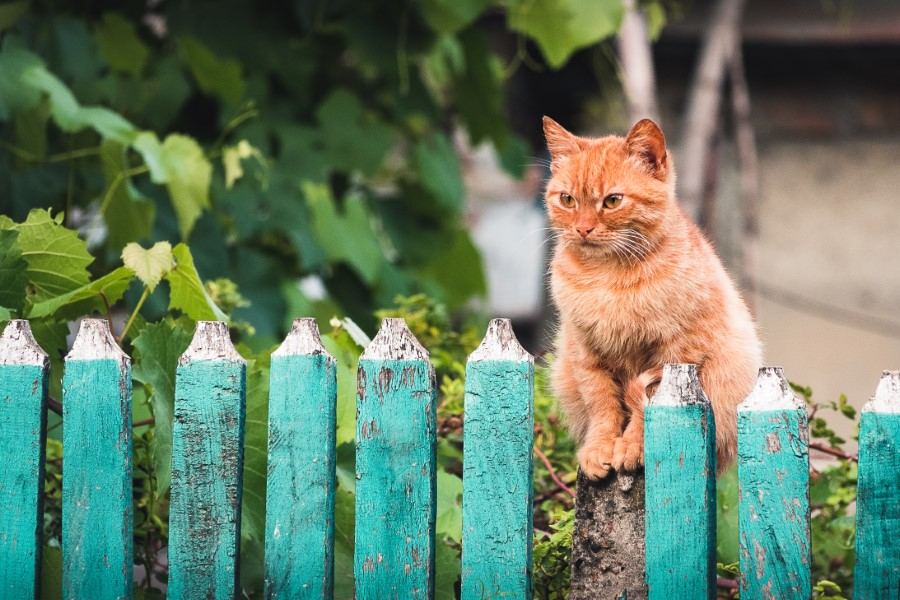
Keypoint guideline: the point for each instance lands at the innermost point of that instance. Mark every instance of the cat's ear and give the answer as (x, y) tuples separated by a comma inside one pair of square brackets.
[(646, 142), (560, 142)]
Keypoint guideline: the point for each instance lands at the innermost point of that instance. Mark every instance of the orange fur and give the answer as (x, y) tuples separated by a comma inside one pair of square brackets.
[(637, 286)]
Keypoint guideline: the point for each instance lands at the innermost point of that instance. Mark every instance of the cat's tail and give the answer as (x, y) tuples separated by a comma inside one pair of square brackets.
[(640, 388)]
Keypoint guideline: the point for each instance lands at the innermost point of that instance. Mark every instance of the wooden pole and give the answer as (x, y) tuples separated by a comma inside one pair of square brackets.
[(498, 436), (23, 431), (680, 463), (97, 517), (207, 467), (300, 484), (877, 572), (396, 494), (773, 470), (608, 542)]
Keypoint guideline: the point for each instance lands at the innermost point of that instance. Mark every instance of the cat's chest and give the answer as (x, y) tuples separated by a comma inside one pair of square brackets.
[(611, 317)]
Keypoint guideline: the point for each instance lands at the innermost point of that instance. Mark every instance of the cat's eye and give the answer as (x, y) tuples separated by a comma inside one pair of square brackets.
[(612, 201), (566, 200)]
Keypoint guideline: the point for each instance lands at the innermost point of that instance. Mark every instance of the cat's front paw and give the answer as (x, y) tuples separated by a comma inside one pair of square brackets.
[(596, 459), (628, 453)]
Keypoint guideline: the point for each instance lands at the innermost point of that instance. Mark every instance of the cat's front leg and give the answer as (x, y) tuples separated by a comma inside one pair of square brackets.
[(600, 394), (628, 453)]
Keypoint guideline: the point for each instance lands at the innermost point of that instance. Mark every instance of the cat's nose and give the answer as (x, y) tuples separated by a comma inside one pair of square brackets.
[(584, 231)]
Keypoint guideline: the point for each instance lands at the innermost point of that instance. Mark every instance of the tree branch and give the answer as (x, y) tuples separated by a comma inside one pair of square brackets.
[(559, 482), (636, 60)]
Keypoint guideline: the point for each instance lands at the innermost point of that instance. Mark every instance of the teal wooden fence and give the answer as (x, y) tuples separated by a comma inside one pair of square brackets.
[(395, 473)]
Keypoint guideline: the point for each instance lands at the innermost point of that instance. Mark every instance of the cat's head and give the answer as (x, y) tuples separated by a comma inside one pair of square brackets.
[(610, 196)]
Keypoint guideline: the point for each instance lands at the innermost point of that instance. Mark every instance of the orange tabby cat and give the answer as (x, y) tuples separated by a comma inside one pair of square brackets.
[(637, 286)]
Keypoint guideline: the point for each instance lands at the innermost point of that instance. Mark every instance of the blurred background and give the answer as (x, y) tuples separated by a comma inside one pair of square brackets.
[(327, 157)]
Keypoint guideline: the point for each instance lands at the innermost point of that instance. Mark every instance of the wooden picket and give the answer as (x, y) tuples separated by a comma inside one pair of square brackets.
[(773, 470), (394, 554), (877, 573), (23, 398), (299, 549), (680, 459), (207, 467), (497, 493), (97, 521), (395, 467)]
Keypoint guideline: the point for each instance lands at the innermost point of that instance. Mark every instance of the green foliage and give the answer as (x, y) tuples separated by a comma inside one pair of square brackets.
[(316, 142)]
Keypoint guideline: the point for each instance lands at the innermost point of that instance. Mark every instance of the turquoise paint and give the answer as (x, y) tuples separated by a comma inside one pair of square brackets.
[(773, 470), (301, 471), (680, 469), (23, 430), (395, 471), (97, 518), (877, 573), (498, 436), (207, 465)]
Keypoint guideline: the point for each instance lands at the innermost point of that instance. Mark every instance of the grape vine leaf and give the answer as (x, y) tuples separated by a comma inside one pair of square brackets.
[(119, 44), (98, 294), (353, 140), (187, 293), (448, 522), (13, 278), (179, 163), (156, 352), (438, 170), (149, 264), (346, 237), (128, 215), (345, 353), (215, 75), (560, 27), (449, 16), (256, 448), (57, 258)]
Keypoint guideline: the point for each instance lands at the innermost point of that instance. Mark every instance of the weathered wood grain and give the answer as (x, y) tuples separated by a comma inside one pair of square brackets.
[(299, 549), (680, 459), (97, 518), (773, 471), (207, 466), (877, 572), (608, 542), (498, 435), (395, 468), (23, 431)]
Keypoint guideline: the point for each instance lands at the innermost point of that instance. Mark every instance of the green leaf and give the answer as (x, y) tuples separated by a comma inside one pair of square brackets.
[(232, 157), (560, 27), (109, 288), (456, 273), (14, 96), (156, 352), (354, 140), (128, 215), (57, 258), (344, 522), (256, 450), (438, 170), (727, 516), (215, 75), (13, 277), (187, 292), (31, 129), (346, 237), (179, 163), (345, 353), (478, 91), (150, 265), (120, 45), (71, 116), (448, 521), (449, 16), (446, 571)]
